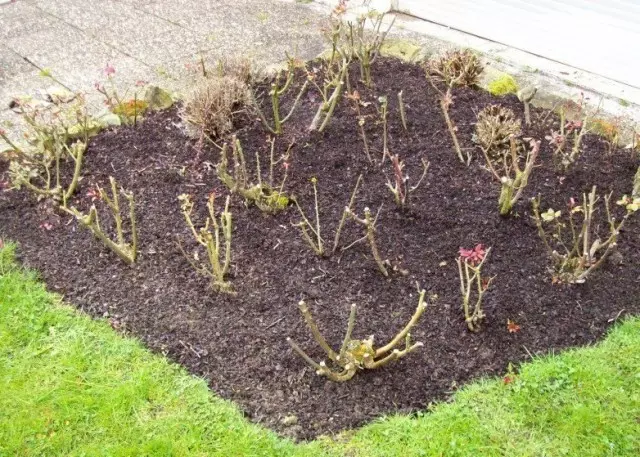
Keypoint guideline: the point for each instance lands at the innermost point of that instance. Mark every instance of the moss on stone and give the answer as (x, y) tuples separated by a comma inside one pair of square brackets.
[(503, 85)]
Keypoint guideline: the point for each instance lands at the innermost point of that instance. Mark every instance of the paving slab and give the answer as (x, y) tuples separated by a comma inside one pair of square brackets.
[(116, 24), (73, 58), (12, 65), (21, 18), (158, 40)]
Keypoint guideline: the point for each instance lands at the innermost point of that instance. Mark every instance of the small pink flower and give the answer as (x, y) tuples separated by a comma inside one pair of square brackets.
[(2, 132), (473, 256), (141, 83), (286, 166), (46, 225), (109, 70)]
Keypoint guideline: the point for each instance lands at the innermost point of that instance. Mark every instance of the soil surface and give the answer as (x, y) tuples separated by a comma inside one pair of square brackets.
[(237, 342)]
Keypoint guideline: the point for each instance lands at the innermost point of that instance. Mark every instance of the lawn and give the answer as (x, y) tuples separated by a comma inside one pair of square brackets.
[(72, 386)]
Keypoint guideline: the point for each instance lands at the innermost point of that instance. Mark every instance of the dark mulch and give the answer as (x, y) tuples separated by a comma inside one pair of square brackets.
[(238, 342)]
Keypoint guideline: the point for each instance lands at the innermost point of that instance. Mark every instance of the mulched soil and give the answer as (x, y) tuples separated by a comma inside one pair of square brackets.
[(237, 343)]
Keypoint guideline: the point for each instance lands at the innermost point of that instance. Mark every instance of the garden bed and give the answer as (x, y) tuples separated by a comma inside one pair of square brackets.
[(238, 342)]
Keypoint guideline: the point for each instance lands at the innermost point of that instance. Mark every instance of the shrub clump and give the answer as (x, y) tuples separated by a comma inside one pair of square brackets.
[(494, 128), (457, 68), (212, 104)]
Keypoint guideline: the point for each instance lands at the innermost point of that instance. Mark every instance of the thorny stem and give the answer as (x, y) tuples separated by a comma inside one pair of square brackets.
[(403, 114), (126, 252), (263, 195), (467, 281), (308, 318), (422, 306), (364, 138), (304, 355), (296, 102), (515, 179), (78, 158), (333, 101), (369, 223), (275, 94), (347, 336), (444, 106), (272, 160), (538, 220), (446, 100), (210, 240), (328, 105), (345, 214), (367, 52), (305, 224), (384, 105), (400, 189)]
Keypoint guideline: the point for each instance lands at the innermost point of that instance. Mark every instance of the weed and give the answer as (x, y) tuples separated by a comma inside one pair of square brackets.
[(456, 68), (609, 130), (495, 126)]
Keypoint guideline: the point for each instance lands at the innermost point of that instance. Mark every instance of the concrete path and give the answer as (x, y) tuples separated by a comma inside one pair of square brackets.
[(162, 41), (150, 40)]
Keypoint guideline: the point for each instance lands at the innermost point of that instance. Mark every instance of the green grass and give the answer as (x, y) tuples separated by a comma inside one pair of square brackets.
[(70, 386)]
